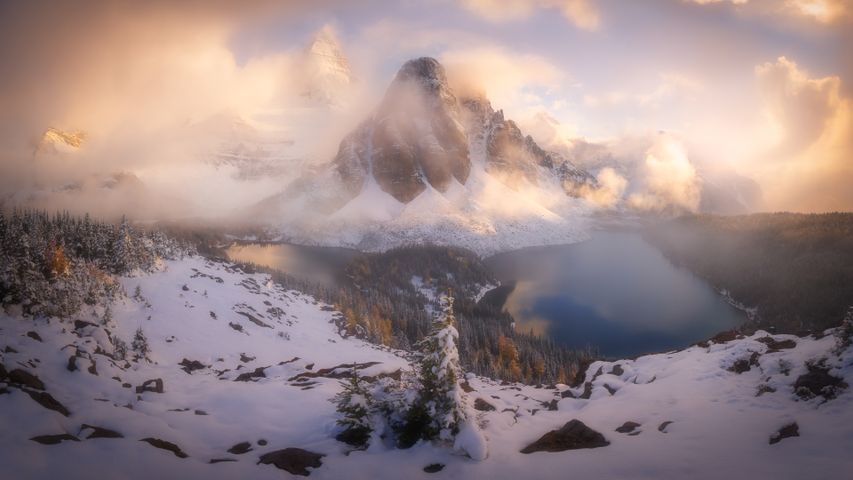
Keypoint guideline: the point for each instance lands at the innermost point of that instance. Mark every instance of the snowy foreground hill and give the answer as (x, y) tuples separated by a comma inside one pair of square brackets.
[(240, 359)]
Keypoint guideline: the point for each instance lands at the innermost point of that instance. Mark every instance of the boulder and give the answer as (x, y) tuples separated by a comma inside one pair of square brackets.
[(572, 436), (483, 405), (240, 448), (790, 430), (35, 336), (100, 432), (434, 468), (156, 442), (190, 366), (293, 460), (742, 365), (250, 376), (25, 378), (54, 439), (628, 427), (662, 427), (154, 385)]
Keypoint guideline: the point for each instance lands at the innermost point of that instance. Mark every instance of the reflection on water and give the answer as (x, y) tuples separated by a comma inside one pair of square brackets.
[(614, 292), (315, 264)]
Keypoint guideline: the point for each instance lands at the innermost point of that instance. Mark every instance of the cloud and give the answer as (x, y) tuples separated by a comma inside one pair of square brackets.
[(611, 187), (668, 179), (506, 77), (808, 166), (818, 11), (581, 13), (670, 86)]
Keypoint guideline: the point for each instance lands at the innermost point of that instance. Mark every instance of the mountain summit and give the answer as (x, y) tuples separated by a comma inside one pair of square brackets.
[(326, 68)]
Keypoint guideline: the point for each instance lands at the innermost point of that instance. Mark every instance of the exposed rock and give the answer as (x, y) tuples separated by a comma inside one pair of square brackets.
[(47, 401), (254, 319), (610, 390), (72, 363), (35, 336), (200, 412), (154, 385), (249, 376), (434, 468), (774, 345), (25, 378), (100, 432), (156, 442), (567, 394), (722, 337), (262, 442), (617, 370), (80, 324), (662, 427), (190, 366), (742, 365), (790, 430), (763, 388), (221, 460), (245, 358), (343, 370), (587, 391), (573, 435), (483, 405), (236, 326), (3, 372), (628, 427), (293, 460), (54, 439), (466, 387), (818, 383), (551, 406), (240, 448), (355, 436)]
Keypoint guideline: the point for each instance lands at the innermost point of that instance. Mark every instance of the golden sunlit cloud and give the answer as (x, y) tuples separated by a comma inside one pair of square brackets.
[(580, 13), (809, 166), (670, 180)]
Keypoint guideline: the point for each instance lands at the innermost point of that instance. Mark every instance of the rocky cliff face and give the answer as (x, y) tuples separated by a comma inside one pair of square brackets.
[(413, 140), (421, 136)]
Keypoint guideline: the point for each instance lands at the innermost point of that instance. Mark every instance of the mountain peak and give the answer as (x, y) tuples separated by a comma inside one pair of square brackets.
[(327, 69), (54, 140)]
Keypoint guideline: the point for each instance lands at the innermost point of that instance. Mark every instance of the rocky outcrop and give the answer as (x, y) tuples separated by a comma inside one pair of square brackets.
[(818, 382), (293, 460), (572, 436), (788, 431), (163, 444)]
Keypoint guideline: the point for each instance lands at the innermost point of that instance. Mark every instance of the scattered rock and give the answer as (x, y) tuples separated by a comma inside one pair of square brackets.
[(310, 366), (93, 367), (817, 382), (54, 439), (156, 442), (200, 412), (100, 432), (762, 389), (742, 365), (190, 366), (662, 426), (567, 394), (220, 460), (293, 460), (35, 336), (9, 350), (722, 337), (573, 435), (587, 391), (154, 385), (355, 436), (254, 319), (72, 363), (285, 362), (617, 370), (628, 427), (262, 442), (240, 448), (245, 358), (551, 406), (47, 401), (25, 378), (434, 468), (248, 376), (790, 430), (610, 390), (774, 345), (483, 405), (466, 387), (80, 324), (236, 326)]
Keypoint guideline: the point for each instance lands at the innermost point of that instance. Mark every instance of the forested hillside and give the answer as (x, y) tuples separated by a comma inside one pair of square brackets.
[(795, 269)]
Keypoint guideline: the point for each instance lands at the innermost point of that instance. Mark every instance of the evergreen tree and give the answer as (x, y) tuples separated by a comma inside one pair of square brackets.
[(140, 344), (440, 394), (354, 404)]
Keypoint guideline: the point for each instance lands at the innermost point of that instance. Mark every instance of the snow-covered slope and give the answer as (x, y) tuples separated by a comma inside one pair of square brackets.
[(697, 417)]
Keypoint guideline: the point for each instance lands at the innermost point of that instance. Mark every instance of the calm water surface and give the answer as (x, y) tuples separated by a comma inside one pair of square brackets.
[(614, 292)]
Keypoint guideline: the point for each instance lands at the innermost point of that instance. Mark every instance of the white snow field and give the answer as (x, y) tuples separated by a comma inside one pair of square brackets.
[(242, 324)]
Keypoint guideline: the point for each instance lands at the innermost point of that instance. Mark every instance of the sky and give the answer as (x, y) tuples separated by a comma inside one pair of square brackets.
[(757, 87)]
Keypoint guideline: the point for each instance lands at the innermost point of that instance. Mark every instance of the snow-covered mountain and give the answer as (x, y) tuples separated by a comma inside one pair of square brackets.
[(429, 166), (328, 76), (241, 370)]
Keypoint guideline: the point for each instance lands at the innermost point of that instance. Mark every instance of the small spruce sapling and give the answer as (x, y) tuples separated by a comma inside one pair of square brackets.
[(140, 344), (354, 404)]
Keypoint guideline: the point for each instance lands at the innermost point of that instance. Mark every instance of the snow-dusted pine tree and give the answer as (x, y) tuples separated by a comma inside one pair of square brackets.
[(354, 407), (441, 395)]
